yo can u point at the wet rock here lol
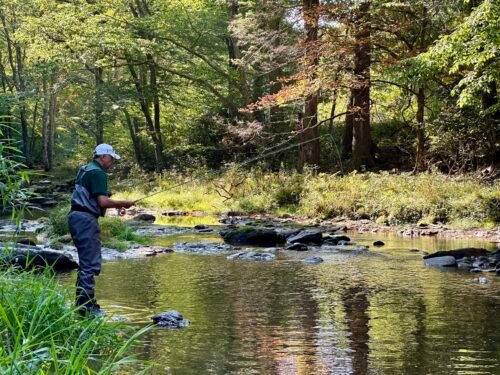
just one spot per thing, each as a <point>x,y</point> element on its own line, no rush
<point>442,261</point>
<point>378,243</point>
<point>26,241</point>
<point>346,243</point>
<point>336,238</point>
<point>200,227</point>
<point>476,270</point>
<point>207,230</point>
<point>297,247</point>
<point>145,217</point>
<point>414,250</point>
<point>313,260</point>
<point>252,255</point>
<point>170,319</point>
<point>464,265</point>
<point>202,248</point>
<point>174,213</point>
<point>307,236</point>
<point>459,253</point>
<point>252,236</point>
<point>39,257</point>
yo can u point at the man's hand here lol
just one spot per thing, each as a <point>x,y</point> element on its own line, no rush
<point>122,211</point>
<point>127,204</point>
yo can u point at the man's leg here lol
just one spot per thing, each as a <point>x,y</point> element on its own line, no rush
<point>85,232</point>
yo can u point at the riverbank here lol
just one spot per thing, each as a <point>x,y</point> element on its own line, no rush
<point>458,202</point>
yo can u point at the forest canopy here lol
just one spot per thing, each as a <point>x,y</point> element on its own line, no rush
<point>350,85</point>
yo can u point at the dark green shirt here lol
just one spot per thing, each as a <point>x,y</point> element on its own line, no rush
<point>96,181</point>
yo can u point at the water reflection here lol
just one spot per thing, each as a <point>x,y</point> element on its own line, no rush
<point>379,313</point>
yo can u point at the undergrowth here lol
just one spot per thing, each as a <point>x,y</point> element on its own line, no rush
<point>383,197</point>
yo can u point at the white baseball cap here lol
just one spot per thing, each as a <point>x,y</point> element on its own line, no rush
<point>105,149</point>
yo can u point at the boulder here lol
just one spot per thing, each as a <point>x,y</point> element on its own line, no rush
<point>27,257</point>
<point>252,236</point>
<point>145,217</point>
<point>378,243</point>
<point>459,253</point>
<point>442,261</point>
<point>307,236</point>
<point>170,319</point>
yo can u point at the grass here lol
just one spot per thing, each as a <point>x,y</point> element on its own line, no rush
<point>40,332</point>
<point>382,197</point>
<point>115,233</point>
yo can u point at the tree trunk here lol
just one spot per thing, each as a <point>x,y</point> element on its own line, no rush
<point>156,111</point>
<point>144,105</point>
<point>99,106</point>
<point>133,135</point>
<point>489,98</point>
<point>309,153</point>
<point>420,157</point>
<point>45,124</point>
<point>22,107</point>
<point>52,124</point>
<point>348,128</point>
<point>362,142</point>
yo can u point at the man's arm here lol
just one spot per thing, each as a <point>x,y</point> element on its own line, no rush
<point>106,202</point>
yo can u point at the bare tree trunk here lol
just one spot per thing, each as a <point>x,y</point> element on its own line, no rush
<point>420,156</point>
<point>45,124</point>
<point>309,153</point>
<point>362,143</point>
<point>492,121</point>
<point>133,135</point>
<point>144,105</point>
<point>348,128</point>
<point>156,111</point>
<point>99,106</point>
<point>52,124</point>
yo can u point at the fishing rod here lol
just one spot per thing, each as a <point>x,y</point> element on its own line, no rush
<point>243,163</point>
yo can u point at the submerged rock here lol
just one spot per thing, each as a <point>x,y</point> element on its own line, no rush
<point>202,248</point>
<point>170,319</point>
<point>459,253</point>
<point>442,261</point>
<point>252,255</point>
<point>378,243</point>
<point>313,260</point>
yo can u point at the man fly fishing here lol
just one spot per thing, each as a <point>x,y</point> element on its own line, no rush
<point>89,201</point>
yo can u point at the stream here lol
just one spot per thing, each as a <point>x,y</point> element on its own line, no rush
<point>382,312</point>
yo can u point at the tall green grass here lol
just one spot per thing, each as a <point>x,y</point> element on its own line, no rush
<point>40,332</point>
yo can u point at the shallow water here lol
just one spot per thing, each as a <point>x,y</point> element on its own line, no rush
<point>379,313</point>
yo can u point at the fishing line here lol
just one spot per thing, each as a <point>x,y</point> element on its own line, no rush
<point>246,162</point>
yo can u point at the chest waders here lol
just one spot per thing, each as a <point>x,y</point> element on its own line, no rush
<point>86,235</point>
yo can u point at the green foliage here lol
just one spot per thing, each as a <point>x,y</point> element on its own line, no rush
<point>57,224</point>
<point>40,333</point>
<point>471,52</point>
<point>115,233</point>
<point>13,194</point>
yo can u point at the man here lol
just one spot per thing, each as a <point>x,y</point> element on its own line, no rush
<point>90,200</point>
